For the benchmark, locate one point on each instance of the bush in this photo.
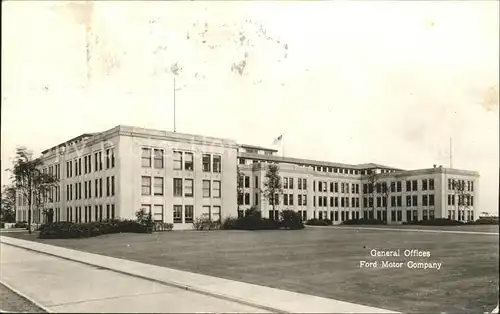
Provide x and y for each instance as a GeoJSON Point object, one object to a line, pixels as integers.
{"type": "Point", "coordinates": [291, 220]}
{"type": "Point", "coordinates": [68, 230]}
{"type": "Point", "coordinates": [250, 223]}
{"type": "Point", "coordinates": [485, 221]}
{"type": "Point", "coordinates": [21, 224]}
{"type": "Point", "coordinates": [319, 222]}
{"type": "Point", "coordinates": [435, 222]}
{"type": "Point", "coordinates": [364, 221]}
{"type": "Point", "coordinates": [202, 223]}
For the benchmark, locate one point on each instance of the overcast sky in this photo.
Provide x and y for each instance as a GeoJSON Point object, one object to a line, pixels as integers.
{"type": "Point", "coordinates": [353, 82]}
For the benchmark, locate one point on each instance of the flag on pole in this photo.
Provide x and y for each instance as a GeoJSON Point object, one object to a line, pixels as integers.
{"type": "Point", "coordinates": [278, 139]}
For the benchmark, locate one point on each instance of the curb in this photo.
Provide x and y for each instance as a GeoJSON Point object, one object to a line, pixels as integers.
{"type": "Point", "coordinates": [22, 295]}
{"type": "Point", "coordinates": [163, 282]}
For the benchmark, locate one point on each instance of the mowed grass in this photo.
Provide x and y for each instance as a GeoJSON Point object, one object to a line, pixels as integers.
{"type": "Point", "coordinates": [324, 261]}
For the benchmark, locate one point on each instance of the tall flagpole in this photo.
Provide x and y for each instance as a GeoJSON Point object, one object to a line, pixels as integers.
{"type": "Point", "coordinates": [451, 154]}
{"type": "Point", "coordinates": [174, 104]}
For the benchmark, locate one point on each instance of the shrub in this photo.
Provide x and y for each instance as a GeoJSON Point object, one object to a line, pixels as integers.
{"type": "Point", "coordinates": [485, 221]}
{"type": "Point", "coordinates": [291, 220]}
{"type": "Point", "coordinates": [435, 222]}
{"type": "Point", "coordinates": [253, 222]}
{"type": "Point", "coordinates": [319, 222]}
{"type": "Point", "coordinates": [68, 230]}
{"type": "Point", "coordinates": [145, 219]}
{"type": "Point", "coordinates": [163, 226]}
{"type": "Point", "coordinates": [202, 223]}
{"type": "Point", "coordinates": [21, 224]}
{"type": "Point", "coordinates": [229, 223]}
{"type": "Point", "coordinates": [364, 221]}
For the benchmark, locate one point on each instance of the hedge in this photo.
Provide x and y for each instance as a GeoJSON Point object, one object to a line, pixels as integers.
{"type": "Point", "coordinates": [250, 223]}
{"type": "Point", "coordinates": [68, 230]}
{"type": "Point", "coordinates": [319, 222]}
{"type": "Point", "coordinates": [364, 221]}
{"type": "Point", "coordinates": [435, 222]}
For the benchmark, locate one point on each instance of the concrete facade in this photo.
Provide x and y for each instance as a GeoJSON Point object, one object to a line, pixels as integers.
{"type": "Point", "coordinates": [179, 177]}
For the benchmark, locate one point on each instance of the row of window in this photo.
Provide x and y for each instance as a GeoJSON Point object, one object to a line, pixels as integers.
{"type": "Point", "coordinates": [334, 187]}
{"type": "Point", "coordinates": [210, 188]}
{"type": "Point", "coordinates": [53, 171]}
{"type": "Point", "coordinates": [460, 185]}
{"type": "Point", "coordinates": [334, 201]}
{"type": "Point", "coordinates": [75, 214]}
{"type": "Point", "coordinates": [76, 193]}
{"type": "Point", "coordinates": [87, 163]}
{"type": "Point", "coordinates": [182, 160]}
{"type": "Point", "coordinates": [465, 200]}
{"type": "Point", "coordinates": [411, 185]}
{"type": "Point", "coordinates": [460, 215]}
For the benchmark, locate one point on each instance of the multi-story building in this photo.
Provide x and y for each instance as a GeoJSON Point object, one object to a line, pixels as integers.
{"type": "Point", "coordinates": [326, 190]}
{"type": "Point", "coordinates": [178, 177]}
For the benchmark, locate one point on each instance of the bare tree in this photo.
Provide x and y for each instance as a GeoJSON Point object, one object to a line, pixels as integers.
{"type": "Point", "coordinates": [372, 183]}
{"type": "Point", "coordinates": [385, 191]}
{"type": "Point", "coordinates": [272, 185]}
{"type": "Point", "coordinates": [463, 196]}
{"type": "Point", "coordinates": [239, 188]}
{"type": "Point", "coordinates": [30, 181]}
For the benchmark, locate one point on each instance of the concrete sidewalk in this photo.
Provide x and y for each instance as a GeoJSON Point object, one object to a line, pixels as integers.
{"type": "Point", "coordinates": [58, 285]}
{"type": "Point", "coordinates": [263, 298]}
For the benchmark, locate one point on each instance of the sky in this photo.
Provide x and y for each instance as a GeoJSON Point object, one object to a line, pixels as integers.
{"type": "Point", "coordinates": [344, 81]}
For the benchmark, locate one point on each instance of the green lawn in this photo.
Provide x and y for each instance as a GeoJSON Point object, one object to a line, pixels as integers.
{"type": "Point", "coordinates": [325, 262]}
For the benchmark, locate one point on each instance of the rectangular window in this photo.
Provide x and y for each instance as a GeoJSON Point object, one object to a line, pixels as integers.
{"type": "Point", "coordinates": [188, 213]}
{"type": "Point", "coordinates": [158, 158]}
{"type": "Point", "coordinates": [96, 187]}
{"type": "Point", "coordinates": [177, 160]}
{"type": "Point", "coordinates": [393, 187]}
{"type": "Point", "coordinates": [215, 213]}
{"type": "Point", "coordinates": [158, 213]}
{"type": "Point", "coordinates": [256, 199]}
{"type": "Point", "coordinates": [431, 200]}
{"type": "Point", "coordinates": [188, 187]}
{"type": "Point", "coordinates": [216, 162]}
{"type": "Point", "coordinates": [299, 200]}
{"type": "Point", "coordinates": [415, 185]}
{"type": "Point", "coordinates": [177, 187]}
{"type": "Point", "coordinates": [424, 199]}
{"type": "Point", "coordinates": [398, 186]}
{"type": "Point", "coordinates": [177, 213]}
{"type": "Point", "coordinates": [146, 185]}
{"type": "Point", "coordinates": [256, 183]}
{"type": "Point", "coordinates": [85, 170]}
{"type": "Point", "coordinates": [206, 162]}
{"type": "Point", "coordinates": [408, 186]}
{"type": "Point", "coordinates": [415, 200]}
{"type": "Point", "coordinates": [206, 188]}
{"type": "Point", "coordinates": [100, 212]}
{"type": "Point", "coordinates": [290, 182]}
{"type": "Point", "coordinates": [188, 163]}
{"type": "Point", "coordinates": [216, 189]}
{"type": "Point", "coordinates": [112, 185]}
{"type": "Point", "coordinates": [158, 186]}
{"type": "Point", "coordinates": [247, 181]}
{"type": "Point", "coordinates": [304, 184]}
{"type": "Point", "coordinates": [408, 201]}
{"type": "Point", "coordinates": [85, 190]}
{"type": "Point", "coordinates": [393, 201]}
{"type": "Point", "coordinates": [100, 160]}
{"type": "Point", "coordinates": [247, 198]}
{"type": "Point", "coordinates": [108, 159]}
{"type": "Point", "coordinates": [424, 185]}
{"type": "Point", "coordinates": [320, 201]}
{"type": "Point", "coordinates": [108, 186]}
{"type": "Point", "coordinates": [320, 186]}
{"type": "Point", "coordinates": [108, 211]}
{"type": "Point", "coordinates": [146, 158]}
{"type": "Point", "coordinates": [112, 160]}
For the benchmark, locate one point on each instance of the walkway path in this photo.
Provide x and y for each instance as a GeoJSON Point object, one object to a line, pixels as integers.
{"type": "Point", "coordinates": [76, 281]}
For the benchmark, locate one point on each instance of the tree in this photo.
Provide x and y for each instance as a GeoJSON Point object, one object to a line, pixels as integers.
{"type": "Point", "coordinates": [463, 196]}
{"type": "Point", "coordinates": [372, 183]}
{"type": "Point", "coordinates": [30, 181]}
{"type": "Point", "coordinates": [385, 191]}
{"type": "Point", "coordinates": [272, 185]}
{"type": "Point", "coordinates": [8, 204]}
{"type": "Point", "coordinates": [239, 189]}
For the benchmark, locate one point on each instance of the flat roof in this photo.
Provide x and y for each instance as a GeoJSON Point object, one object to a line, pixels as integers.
{"type": "Point", "coordinates": [258, 147]}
